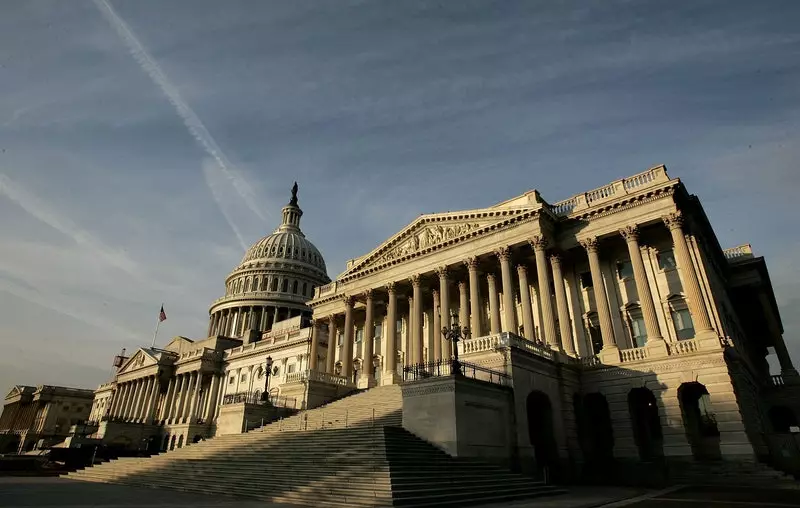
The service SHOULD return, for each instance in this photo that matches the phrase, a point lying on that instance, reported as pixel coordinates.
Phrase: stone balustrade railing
(315, 375)
(261, 295)
(777, 380)
(683, 347)
(739, 252)
(327, 289)
(480, 344)
(503, 340)
(632, 355)
(653, 176)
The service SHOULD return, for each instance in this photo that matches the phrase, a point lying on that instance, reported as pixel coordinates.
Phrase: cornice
(621, 205)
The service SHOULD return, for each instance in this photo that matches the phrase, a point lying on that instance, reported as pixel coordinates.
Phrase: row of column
(234, 322)
(137, 401)
(556, 322)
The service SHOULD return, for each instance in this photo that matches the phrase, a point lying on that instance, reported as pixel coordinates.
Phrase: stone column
(390, 363)
(539, 244)
(137, 397)
(610, 351)
(504, 255)
(463, 304)
(631, 235)
(208, 413)
(444, 309)
(561, 305)
(347, 348)
(128, 404)
(164, 414)
(525, 299)
(408, 357)
(275, 318)
(187, 399)
(151, 408)
(312, 359)
(694, 300)
(119, 396)
(180, 398)
(417, 346)
(437, 327)
(494, 304)
(788, 371)
(474, 297)
(198, 382)
(330, 363)
(369, 338)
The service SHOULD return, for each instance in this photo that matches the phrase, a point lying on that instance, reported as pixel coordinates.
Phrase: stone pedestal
(464, 417)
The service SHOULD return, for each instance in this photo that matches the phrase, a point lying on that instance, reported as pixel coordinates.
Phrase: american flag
(162, 316)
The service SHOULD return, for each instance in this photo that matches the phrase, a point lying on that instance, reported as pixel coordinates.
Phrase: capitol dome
(275, 279)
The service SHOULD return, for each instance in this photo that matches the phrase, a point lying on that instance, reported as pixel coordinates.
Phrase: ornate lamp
(268, 373)
(454, 334)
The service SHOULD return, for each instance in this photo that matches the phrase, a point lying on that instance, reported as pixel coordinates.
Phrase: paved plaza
(57, 492)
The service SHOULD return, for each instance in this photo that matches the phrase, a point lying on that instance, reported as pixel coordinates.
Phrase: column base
(391, 378)
(609, 355)
(366, 382)
(708, 339)
(657, 348)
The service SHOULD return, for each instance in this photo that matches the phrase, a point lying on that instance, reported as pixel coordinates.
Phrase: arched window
(247, 283)
(305, 289)
(264, 283)
(274, 284)
(285, 287)
(294, 287)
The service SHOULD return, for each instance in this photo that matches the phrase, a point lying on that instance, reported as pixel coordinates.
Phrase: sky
(144, 144)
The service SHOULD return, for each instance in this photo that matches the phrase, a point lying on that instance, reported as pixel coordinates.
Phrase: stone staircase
(741, 474)
(351, 452)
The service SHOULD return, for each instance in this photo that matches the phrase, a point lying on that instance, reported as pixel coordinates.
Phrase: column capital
(538, 242)
(504, 253)
(491, 277)
(435, 294)
(630, 233)
(415, 279)
(555, 258)
(462, 285)
(521, 269)
(674, 220)
(331, 319)
(589, 243)
(391, 287)
(442, 272)
(367, 294)
(471, 263)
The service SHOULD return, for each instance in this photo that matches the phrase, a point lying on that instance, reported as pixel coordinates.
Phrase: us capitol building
(610, 325)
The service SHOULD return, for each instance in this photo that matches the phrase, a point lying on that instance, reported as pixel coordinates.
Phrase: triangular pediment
(179, 344)
(138, 361)
(434, 231)
(18, 390)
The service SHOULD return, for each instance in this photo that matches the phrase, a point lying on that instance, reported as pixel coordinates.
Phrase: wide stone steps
(354, 454)
(733, 473)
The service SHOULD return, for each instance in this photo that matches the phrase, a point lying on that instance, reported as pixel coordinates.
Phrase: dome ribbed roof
(287, 242)
(282, 245)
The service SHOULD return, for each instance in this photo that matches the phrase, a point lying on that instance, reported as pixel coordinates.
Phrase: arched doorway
(540, 431)
(165, 443)
(782, 419)
(600, 433)
(646, 424)
(699, 421)
(172, 442)
(180, 441)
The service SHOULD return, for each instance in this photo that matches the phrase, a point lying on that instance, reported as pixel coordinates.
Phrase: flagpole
(158, 323)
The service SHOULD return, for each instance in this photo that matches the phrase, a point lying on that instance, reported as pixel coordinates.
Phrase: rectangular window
(339, 338)
(586, 280)
(666, 260)
(359, 335)
(244, 378)
(378, 331)
(291, 368)
(684, 327)
(232, 380)
(624, 270)
(638, 330)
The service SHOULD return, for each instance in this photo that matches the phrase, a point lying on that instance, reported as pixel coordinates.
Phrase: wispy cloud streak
(39, 210)
(196, 127)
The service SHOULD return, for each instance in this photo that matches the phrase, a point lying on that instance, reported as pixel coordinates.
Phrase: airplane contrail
(221, 163)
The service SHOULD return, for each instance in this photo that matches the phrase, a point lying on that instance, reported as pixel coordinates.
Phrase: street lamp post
(268, 373)
(454, 334)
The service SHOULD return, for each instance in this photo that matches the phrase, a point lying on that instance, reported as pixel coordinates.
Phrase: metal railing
(257, 398)
(443, 368)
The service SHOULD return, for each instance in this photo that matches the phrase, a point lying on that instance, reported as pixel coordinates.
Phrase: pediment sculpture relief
(427, 237)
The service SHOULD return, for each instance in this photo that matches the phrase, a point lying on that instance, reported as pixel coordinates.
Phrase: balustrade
(633, 355)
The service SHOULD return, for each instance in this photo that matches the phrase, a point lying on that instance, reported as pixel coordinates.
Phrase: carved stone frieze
(427, 236)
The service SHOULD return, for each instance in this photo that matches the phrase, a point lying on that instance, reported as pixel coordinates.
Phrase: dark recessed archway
(540, 431)
(646, 423)
(699, 421)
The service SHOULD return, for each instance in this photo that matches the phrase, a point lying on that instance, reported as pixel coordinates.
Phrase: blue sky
(142, 146)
